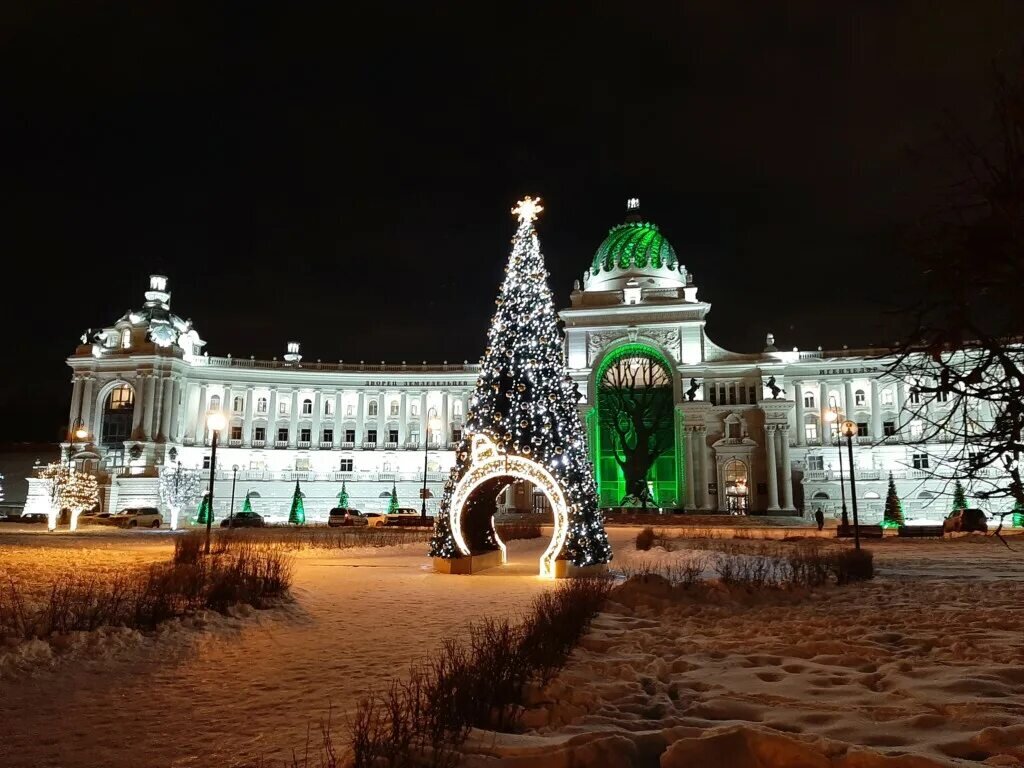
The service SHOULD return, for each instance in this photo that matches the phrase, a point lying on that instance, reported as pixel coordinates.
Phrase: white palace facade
(751, 432)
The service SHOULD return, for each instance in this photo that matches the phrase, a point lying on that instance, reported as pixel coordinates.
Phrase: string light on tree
(79, 493)
(179, 487)
(56, 475)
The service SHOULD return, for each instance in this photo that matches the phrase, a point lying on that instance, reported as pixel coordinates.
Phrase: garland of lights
(523, 418)
(178, 487)
(71, 490)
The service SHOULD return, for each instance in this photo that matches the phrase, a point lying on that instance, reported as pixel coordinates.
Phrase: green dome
(634, 245)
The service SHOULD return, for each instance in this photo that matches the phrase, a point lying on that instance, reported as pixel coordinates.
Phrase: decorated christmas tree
(204, 510)
(393, 503)
(247, 504)
(525, 405)
(1017, 518)
(893, 516)
(343, 496)
(959, 497)
(297, 514)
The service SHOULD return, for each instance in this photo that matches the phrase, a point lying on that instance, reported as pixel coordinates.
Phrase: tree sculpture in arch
(524, 423)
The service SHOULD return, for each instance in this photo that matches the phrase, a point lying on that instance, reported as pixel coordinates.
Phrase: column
(165, 409)
(823, 425)
(87, 401)
(848, 396)
(76, 406)
(689, 435)
(403, 417)
(315, 442)
(787, 470)
(901, 403)
(424, 421)
(293, 421)
(382, 417)
(148, 426)
(771, 467)
(199, 424)
(798, 392)
(339, 421)
(360, 418)
(876, 412)
(247, 423)
(705, 464)
(176, 395)
(272, 420)
(446, 420)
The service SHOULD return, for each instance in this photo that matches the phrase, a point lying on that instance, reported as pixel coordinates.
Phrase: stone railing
(237, 362)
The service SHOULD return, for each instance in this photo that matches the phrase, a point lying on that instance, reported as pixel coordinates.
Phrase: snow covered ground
(925, 662)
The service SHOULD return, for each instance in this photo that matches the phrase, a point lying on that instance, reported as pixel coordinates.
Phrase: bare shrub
(645, 539)
(188, 548)
(854, 565)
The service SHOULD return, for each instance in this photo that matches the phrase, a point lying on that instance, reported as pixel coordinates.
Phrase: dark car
(966, 521)
(243, 520)
(343, 516)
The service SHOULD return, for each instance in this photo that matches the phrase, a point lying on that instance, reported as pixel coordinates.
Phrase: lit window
(811, 430)
(859, 398)
(457, 408)
(920, 461)
(346, 465)
(282, 408)
(371, 410)
(414, 410)
(307, 407)
(349, 410)
(261, 405)
(887, 397)
(916, 429)
(816, 461)
(215, 403)
(809, 400)
(302, 464)
(122, 396)
(394, 408)
(126, 338)
(239, 405)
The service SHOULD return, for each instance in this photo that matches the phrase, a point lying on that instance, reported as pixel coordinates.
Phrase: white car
(138, 517)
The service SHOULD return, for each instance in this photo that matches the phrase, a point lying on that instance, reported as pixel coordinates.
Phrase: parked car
(403, 516)
(343, 516)
(243, 520)
(138, 517)
(966, 521)
(375, 519)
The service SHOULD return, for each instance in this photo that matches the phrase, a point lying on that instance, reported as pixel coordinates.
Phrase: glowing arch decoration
(523, 423)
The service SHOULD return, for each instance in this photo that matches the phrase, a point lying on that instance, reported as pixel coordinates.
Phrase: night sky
(344, 179)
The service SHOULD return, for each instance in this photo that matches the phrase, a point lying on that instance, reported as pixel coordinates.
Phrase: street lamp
(849, 431)
(215, 423)
(834, 417)
(231, 509)
(78, 430)
(432, 425)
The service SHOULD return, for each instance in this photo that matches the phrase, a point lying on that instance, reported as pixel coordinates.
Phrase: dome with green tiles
(635, 244)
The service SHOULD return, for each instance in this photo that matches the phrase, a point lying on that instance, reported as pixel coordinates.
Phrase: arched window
(733, 427)
(887, 397)
(126, 338)
(736, 487)
(117, 415)
(457, 408)
(859, 398)
(261, 405)
(393, 410)
(239, 405)
(215, 403)
(328, 408)
(372, 408)
(414, 410)
(811, 429)
(307, 407)
(871, 495)
(821, 495)
(120, 397)
(349, 409)
(926, 495)
(808, 399)
(431, 413)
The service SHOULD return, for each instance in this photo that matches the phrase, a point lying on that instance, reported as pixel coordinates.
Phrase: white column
(901, 403)
(876, 412)
(771, 467)
(165, 409)
(689, 434)
(823, 424)
(424, 421)
(446, 420)
(798, 393)
(177, 392)
(360, 419)
(315, 441)
(382, 416)
(199, 433)
(787, 471)
(293, 421)
(247, 422)
(76, 406)
(705, 464)
(150, 406)
(339, 421)
(848, 397)
(88, 395)
(272, 420)
(403, 416)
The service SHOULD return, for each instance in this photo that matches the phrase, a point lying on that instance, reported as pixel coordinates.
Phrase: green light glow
(636, 244)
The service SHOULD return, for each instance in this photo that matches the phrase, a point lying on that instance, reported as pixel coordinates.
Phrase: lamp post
(832, 418)
(432, 425)
(215, 423)
(849, 430)
(231, 509)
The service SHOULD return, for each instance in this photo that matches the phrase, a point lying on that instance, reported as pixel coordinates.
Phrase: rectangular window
(392, 435)
(414, 438)
(888, 428)
(350, 435)
(282, 435)
(752, 394)
(811, 430)
(394, 408)
(206, 462)
(456, 435)
(862, 429)
(236, 431)
(859, 398)
(713, 394)
(371, 435)
(282, 408)
(920, 461)
(915, 397)
(809, 400)
(302, 464)
(816, 461)
(305, 434)
(328, 436)
(941, 397)
(259, 433)
(732, 394)
(346, 465)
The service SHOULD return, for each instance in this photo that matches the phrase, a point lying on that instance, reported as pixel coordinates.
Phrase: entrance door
(737, 492)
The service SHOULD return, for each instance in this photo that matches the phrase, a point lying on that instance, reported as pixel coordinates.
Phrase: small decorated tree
(57, 476)
(297, 513)
(204, 510)
(1018, 515)
(343, 496)
(79, 493)
(959, 497)
(893, 517)
(393, 503)
(178, 487)
(247, 504)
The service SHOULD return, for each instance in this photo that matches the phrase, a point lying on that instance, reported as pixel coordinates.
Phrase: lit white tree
(178, 488)
(56, 475)
(79, 493)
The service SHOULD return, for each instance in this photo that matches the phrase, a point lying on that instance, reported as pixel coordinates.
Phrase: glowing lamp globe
(81, 433)
(215, 421)
(848, 428)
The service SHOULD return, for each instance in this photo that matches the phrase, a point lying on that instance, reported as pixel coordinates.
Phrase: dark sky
(345, 178)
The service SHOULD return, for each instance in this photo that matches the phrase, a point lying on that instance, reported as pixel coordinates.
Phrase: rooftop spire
(633, 210)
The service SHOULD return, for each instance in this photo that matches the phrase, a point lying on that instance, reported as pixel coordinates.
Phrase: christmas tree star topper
(528, 209)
